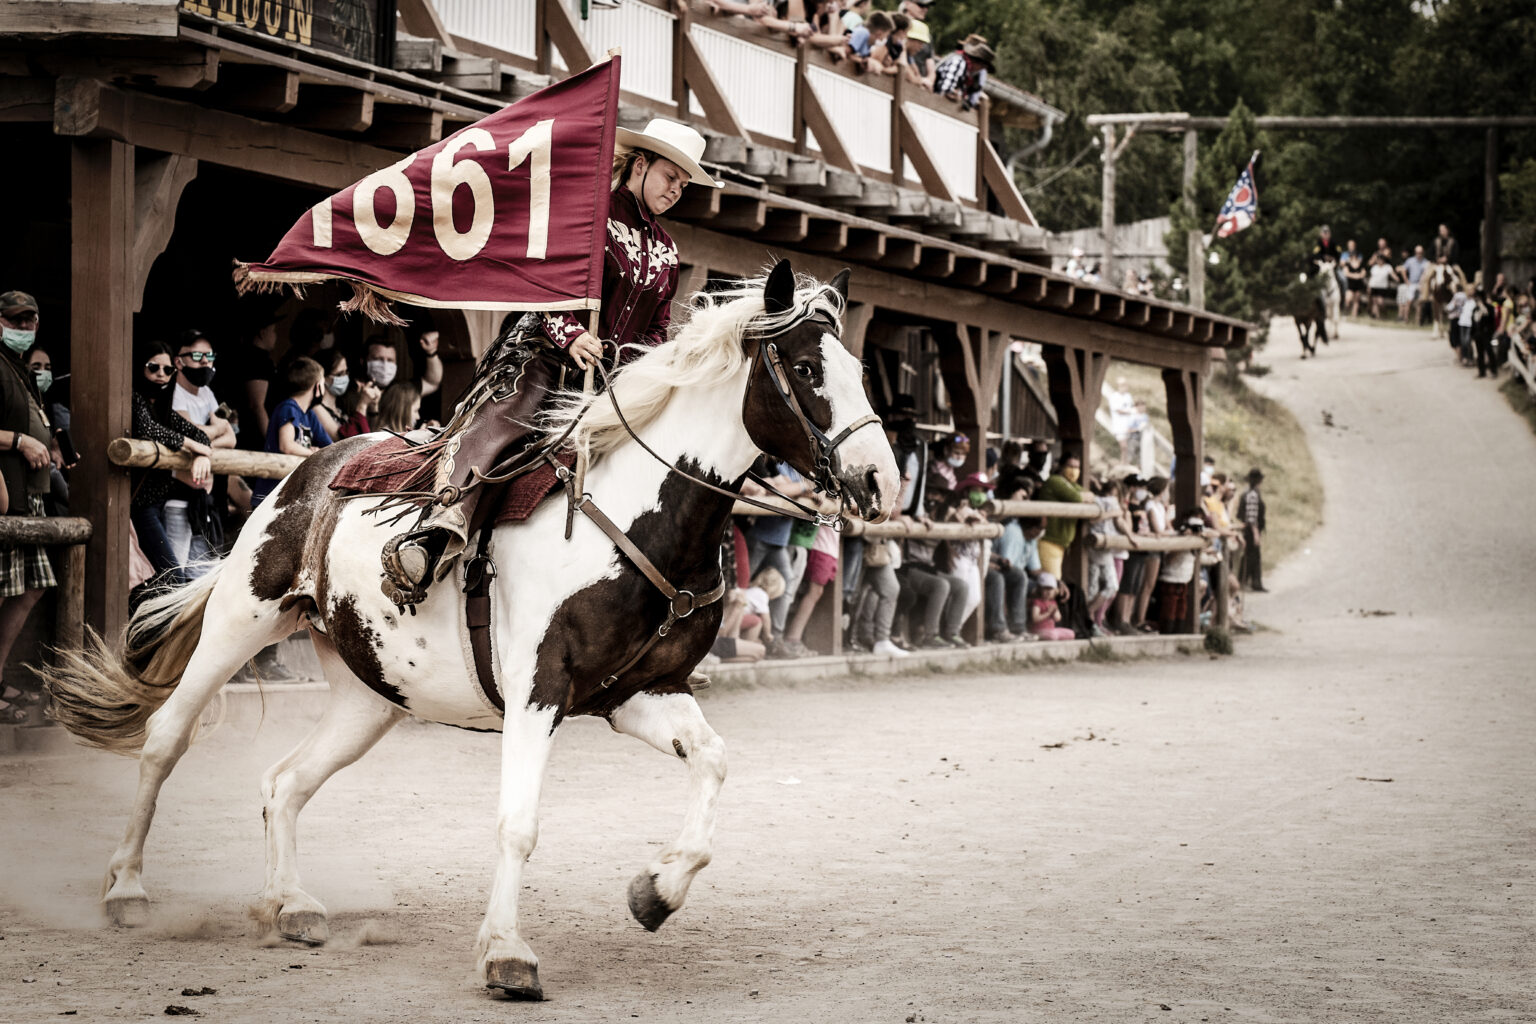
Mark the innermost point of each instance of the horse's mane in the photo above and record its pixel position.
(706, 351)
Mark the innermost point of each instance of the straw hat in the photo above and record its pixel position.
(980, 52)
(671, 141)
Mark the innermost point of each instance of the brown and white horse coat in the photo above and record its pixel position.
(566, 614)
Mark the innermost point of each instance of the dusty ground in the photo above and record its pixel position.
(1216, 840)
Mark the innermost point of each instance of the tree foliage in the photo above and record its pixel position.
(1311, 57)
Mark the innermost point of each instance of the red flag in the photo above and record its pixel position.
(508, 213)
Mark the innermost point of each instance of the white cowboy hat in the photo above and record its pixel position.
(671, 141)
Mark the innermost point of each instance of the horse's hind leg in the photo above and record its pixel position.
(232, 633)
(352, 723)
(673, 724)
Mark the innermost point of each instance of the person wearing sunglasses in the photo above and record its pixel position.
(192, 398)
(153, 489)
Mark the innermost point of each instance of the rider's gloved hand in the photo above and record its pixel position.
(585, 349)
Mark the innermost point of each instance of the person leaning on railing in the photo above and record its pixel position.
(24, 464)
(1060, 531)
(161, 541)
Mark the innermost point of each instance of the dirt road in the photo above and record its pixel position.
(1334, 825)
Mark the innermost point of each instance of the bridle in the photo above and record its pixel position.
(772, 364)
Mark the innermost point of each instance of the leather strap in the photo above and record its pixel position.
(683, 603)
(478, 574)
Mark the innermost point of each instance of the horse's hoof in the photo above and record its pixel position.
(514, 979)
(306, 926)
(128, 911)
(646, 903)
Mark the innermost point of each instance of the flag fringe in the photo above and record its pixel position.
(364, 300)
(371, 304)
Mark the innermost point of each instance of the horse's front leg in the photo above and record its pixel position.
(673, 724)
(505, 961)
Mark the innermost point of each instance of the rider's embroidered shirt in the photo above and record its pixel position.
(639, 278)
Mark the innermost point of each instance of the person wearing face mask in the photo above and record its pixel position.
(337, 380)
(381, 363)
(542, 352)
(24, 462)
(158, 494)
(1060, 531)
(60, 450)
(945, 469)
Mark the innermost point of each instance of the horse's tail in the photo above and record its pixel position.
(105, 697)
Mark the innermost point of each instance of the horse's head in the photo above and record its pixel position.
(805, 400)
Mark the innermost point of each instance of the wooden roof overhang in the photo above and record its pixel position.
(735, 229)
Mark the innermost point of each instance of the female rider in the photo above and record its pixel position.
(492, 421)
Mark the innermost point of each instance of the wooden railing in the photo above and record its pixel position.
(136, 454)
(70, 533)
(755, 85)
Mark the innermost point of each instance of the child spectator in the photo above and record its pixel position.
(1044, 615)
(1013, 560)
(399, 408)
(820, 570)
(867, 42)
(894, 56)
(1060, 531)
(294, 429)
(948, 459)
(360, 402)
(1105, 567)
(337, 380)
(921, 66)
(1173, 582)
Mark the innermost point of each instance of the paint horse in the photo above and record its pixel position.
(1440, 283)
(760, 368)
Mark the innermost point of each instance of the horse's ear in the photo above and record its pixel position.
(779, 292)
(840, 284)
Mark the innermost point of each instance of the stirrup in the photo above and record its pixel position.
(401, 587)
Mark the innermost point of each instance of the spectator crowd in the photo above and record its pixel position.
(917, 592)
(875, 42)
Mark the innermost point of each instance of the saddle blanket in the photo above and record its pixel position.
(390, 465)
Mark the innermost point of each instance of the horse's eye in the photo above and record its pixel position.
(804, 370)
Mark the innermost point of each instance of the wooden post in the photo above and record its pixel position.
(69, 611)
(1076, 380)
(1196, 240)
(1221, 590)
(101, 329)
(1490, 256)
(1186, 408)
(824, 632)
(1107, 207)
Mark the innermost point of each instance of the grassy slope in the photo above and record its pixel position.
(1243, 429)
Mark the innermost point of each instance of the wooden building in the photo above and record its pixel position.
(164, 139)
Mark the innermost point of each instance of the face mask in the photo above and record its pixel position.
(327, 340)
(1140, 494)
(978, 499)
(19, 341)
(339, 384)
(382, 371)
(198, 376)
(1071, 473)
(44, 380)
(956, 460)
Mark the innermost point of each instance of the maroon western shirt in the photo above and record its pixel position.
(639, 279)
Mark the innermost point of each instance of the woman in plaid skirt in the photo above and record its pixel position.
(24, 464)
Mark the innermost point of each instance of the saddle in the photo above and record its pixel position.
(391, 466)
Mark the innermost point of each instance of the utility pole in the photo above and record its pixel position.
(1490, 209)
(1196, 240)
(1107, 201)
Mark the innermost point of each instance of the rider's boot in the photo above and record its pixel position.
(413, 560)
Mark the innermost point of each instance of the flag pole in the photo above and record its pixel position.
(582, 453)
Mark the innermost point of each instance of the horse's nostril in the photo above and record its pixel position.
(872, 483)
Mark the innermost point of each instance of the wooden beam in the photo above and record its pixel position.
(87, 108)
(472, 74)
(26, 99)
(701, 82)
(563, 31)
(408, 128)
(865, 245)
(420, 18)
(697, 204)
(936, 262)
(159, 64)
(256, 89)
(327, 108)
(419, 54)
(901, 254)
(833, 149)
(101, 326)
(785, 226)
(826, 236)
(1001, 279)
(856, 326)
(49, 17)
(740, 214)
(158, 184)
(969, 272)
(1001, 185)
(913, 149)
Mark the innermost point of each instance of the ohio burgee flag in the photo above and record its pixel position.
(508, 213)
(1242, 207)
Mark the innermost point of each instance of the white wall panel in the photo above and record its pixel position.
(504, 24)
(758, 82)
(861, 115)
(951, 143)
(645, 35)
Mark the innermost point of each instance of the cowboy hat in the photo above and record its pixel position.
(671, 141)
(980, 52)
